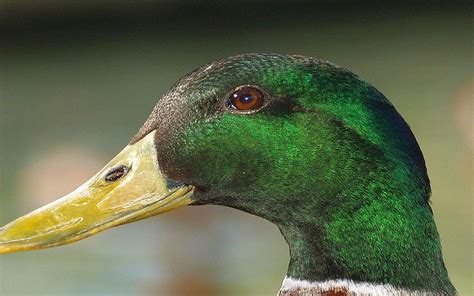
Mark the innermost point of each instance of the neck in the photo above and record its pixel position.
(389, 241)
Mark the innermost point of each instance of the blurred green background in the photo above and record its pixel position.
(78, 80)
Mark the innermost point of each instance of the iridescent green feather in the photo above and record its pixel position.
(328, 160)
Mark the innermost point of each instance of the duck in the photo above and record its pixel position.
(301, 142)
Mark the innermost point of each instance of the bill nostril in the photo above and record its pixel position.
(116, 173)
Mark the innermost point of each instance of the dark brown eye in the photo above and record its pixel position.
(246, 98)
(116, 173)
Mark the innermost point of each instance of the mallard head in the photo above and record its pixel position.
(298, 141)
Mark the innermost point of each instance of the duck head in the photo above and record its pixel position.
(300, 142)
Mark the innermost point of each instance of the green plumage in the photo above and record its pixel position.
(328, 160)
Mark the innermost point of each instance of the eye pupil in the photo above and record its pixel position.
(246, 98)
(116, 173)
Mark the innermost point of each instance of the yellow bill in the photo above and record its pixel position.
(129, 188)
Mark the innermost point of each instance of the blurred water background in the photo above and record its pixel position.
(77, 80)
